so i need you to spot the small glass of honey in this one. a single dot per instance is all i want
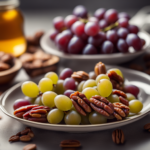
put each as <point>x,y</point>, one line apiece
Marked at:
<point>12,39</point>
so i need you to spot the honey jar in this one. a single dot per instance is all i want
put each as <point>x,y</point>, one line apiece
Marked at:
<point>12,39</point>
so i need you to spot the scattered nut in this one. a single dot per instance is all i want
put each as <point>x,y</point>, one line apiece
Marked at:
<point>14,138</point>
<point>118,136</point>
<point>30,147</point>
<point>31,134</point>
<point>25,138</point>
<point>70,143</point>
<point>147,127</point>
<point>100,68</point>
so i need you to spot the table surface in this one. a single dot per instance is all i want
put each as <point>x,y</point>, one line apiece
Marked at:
<point>136,138</point>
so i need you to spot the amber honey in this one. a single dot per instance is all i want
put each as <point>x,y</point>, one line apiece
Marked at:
<point>12,38</point>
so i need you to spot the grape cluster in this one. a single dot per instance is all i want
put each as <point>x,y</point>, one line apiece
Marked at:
<point>54,91</point>
<point>106,32</point>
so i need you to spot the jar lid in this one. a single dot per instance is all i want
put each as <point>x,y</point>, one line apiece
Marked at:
<point>8,4</point>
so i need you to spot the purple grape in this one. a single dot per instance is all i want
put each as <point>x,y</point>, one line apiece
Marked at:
<point>107,47</point>
<point>134,41</point>
<point>70,20</point>
<point>102,24</point>
<point>122,33</point>
<point>99,13</point>
<point>123,15</point>
<point>111,16</point>
<point>80,11</point>
<point>69,84</point>
<point>68,92</point>
<point>132,89</point>
<point>97,39</point>
<point>75,45</point>
<point>111,35</point>
<point>89,49</point>
<point>122,46</point>
<point>84,37</point>
<point>93,19</point>
<point>133,29</point>
<point>123,22</point>
<point>58,23</point>
<point>143,42</point>
<point>66,73</point>
<point>21,102</point>
<point>53,35</point>
<point>91,28</point>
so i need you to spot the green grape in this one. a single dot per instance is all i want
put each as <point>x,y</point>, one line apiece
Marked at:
<point>101,76</point>
<point>38,100</point>
<point>80,86</point>
<point>55,116</point>
<point>89,92</point>
<point>72,108</point>
<point>85,119</point>
<point>89,83</point>
<point>95,87</point>
<point>63,102</point>
<point>48,98</point>
<point>104,87</point>
<point>30,89</point>
<point>32,100</point>
<point>113,98</point>
<point>45,85</point>
<point>72,118</point>
<point>135,106</point>
<point>130,96</point>
<point>59,88</point>
<point>53,76</point>
<point>96,118</point>
<point>117,71</point>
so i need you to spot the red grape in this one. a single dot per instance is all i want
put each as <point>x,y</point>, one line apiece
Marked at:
<point>89,49</point>
<point>122,46</point>
<point>21,102</point>
<point>132,89</point>
<point>102,24</point>
<point>66,73</point>
<point>93,19</point>
<point>84,37</point>
<point>111,35</point>
<point>97,39</point>
<point>53,35</point>
<point>70,20</point>
<point>91,28</point>
<point>107,47</point>
<point>111,16</point>
<point>134,41</point>
<point>58,23</point>
<point>133,29</point>
<point>69,84</point>
<point>75,45</point>
<point>80,11</point>
<point>68,92</point>
<point>122,33</point>
<point>143,42</point>
<point>99,13</point>
<point>123,15</point>
<point>123,22</point>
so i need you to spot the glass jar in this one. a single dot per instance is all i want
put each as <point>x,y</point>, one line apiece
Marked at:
<point>12,39</point>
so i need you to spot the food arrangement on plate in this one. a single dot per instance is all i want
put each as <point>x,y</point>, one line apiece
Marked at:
<point>77,98</point>
<point>106,32</point>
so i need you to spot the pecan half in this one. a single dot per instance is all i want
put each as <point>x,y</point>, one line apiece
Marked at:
<point>25,138</point>
<point>101,105</point>
<point>70,143</point>
<point>80,76</point>
<point>120,111</point>
<point>30,147</point>
<point>14,138</point>
<point>100,68</point>
<point>147,127</point>
<point>81,103</point>
<point>116,80</point>
<point>118,136</point>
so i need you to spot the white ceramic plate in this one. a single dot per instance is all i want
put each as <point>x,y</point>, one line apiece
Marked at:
<point>116,58</point>
<point>134,77</point>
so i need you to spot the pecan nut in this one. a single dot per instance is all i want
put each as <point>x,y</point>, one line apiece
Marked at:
<point>70,143</point>
<point>120,111</point>
<point>80,76</point>
<point>102,105</point>
<point>147,127</point>
<point>14,138</point>
<point>117,81</point>
<point>81,103</point>
<point>118,136</point>
<point>100,68</point>
<point>30,147</point>
<point>25,138</point>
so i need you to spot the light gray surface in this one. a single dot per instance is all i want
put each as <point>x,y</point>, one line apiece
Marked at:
<point>136,138</point>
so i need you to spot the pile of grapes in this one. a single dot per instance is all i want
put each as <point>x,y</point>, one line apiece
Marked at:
<point>57,93</point>
<point>104,33</point>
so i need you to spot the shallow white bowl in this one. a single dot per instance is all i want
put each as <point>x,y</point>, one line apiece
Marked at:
<point>134,77</point>
<point>116,58</point>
